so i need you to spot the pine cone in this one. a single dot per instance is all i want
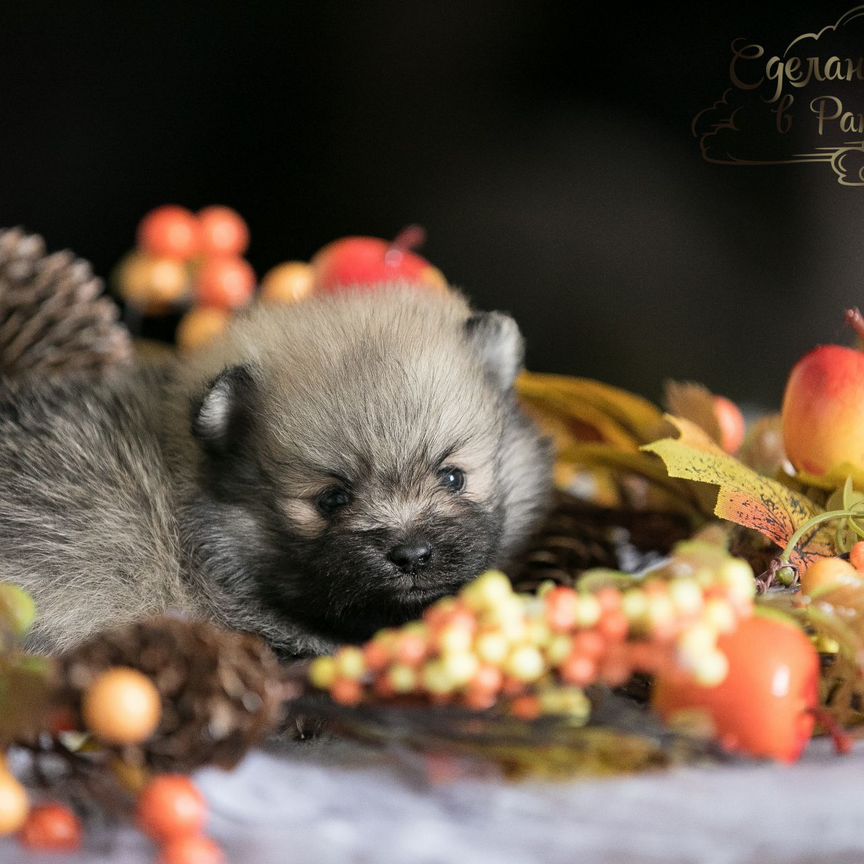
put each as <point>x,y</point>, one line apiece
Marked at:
<point>54,319</point>
<point>577,536</point>
<point>221,691</point>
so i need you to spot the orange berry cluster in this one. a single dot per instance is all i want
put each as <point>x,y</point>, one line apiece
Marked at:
<point>186,259</point>
<point>540,651</point>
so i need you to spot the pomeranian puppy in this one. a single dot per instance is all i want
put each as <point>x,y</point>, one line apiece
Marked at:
<point>324,470</point>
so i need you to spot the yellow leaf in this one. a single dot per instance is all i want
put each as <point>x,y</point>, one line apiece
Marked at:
<point>618,416</point>
<point>744,497</point>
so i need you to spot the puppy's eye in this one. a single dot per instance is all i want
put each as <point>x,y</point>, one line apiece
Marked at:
<point>333,499</point>
<point>452,479</point>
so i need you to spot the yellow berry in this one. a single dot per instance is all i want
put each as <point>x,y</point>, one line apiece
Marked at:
<point>589,610</point>
<point>525,663</point>
<point>122,706</point>
<point>459,668</point>
<point>288,283</point>
<point>350,663</point>
<point>402,678</point>
<point>492,646</point>
<point>200,326</point>
<point>487,590</point>
<point>711,669</point>
<point>453,640</point>
<point>558,649</point>
<point>719,614</point>
<point>686,596</point>
<point>696,642</point>
<point>737,576</point>
<point>323,672</point>
<point>14,804</point>
<point>435,678</point>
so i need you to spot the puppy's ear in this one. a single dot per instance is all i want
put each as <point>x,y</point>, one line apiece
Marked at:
<point>224,412</point>
<point>497,339</point>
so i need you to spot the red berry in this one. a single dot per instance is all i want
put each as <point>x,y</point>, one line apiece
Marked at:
<point>765,704</point>
<point>52,827</point>
<point>526,708</point>
<point>731,423</point>
<point>191,850</point>
<point>590,643</point>
<point>169,231</point>
<point>171,806</point>
<point>227,283</point>
<point>222,232</point>
<point>346,691</point>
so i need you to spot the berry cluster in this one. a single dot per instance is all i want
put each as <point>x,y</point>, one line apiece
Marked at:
<point>540,651</point>
<point>184,258</point>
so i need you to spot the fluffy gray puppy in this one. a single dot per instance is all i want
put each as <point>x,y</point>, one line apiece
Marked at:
<point>324,470</point>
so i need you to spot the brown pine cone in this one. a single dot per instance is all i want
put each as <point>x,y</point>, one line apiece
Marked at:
<point>221,691</point>
<point>577,536</point>
<point>54,317</point>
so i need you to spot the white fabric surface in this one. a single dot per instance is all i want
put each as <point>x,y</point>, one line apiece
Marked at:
<point>331,803</point>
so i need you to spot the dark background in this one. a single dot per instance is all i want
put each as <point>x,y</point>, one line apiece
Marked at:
<point>546,147</point>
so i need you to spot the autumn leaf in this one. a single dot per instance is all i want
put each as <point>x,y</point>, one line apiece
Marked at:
<point>744,496</point>
<point>694,402</point>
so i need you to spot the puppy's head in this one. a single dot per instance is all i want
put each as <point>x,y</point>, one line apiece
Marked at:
<point>351,448</point>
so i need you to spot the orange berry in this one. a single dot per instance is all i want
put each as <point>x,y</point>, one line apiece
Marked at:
<point>487,679</point>
<point>526,707</point>
<point>346,691</point>
<point>579,669</point>
<point>200,326</point>
<point>226,283</point>
<point>562,606</point>
<point>856,555</point>
<point>52,828</point>
<point>377,656</point>
<point>614,626</point>
<point>14,803</point>
<point>191,850</point>
<point>828,571</point>
<point>170,231</point>
<point>122,706</point>
<point>288,283</point>
<point>590,643</point>
<point>609,599</point>
<point>478,700</point>
<point>410,649</point>
<point>616,668</point>
<point>171,806</point>
<point>222,231</point>
<point>383,688</point>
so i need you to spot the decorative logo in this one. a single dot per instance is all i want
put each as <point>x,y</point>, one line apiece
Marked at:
<point>804,105</point>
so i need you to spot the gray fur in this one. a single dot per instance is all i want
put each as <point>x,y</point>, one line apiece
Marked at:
<point>200,489</point>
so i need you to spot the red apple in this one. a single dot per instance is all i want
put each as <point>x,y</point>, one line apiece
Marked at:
<point>764,706</point>
<point>823,410</point>
<point>365,262</point>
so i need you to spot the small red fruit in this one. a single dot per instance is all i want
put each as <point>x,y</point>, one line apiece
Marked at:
<point>191,850</point>
<point>829,571</point>
<point>171,806</point>
<point>226,283</point>
<point>856,555</point>
<point>731,423</point>
<point>823,410</point>
<point>52,827</point>
<point>222,232</point>
<point>765,704</point>
<point>169,231</point>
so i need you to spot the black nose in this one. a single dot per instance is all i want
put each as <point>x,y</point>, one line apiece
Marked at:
<point>414,553</point>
